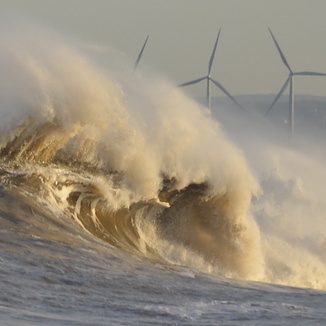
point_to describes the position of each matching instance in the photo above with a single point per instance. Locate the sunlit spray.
(136, 162)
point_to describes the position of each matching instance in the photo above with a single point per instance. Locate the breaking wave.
(131, 159)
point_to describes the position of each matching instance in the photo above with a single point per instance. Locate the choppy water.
(124, 202)
(54, 273)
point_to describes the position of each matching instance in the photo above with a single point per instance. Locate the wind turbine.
(140, 54)
(210, 79)
(290, 80)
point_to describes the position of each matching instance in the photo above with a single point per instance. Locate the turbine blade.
(279, 94)
(309, 73)
(192, 82)
(280, 52)
(140, 54)
(226, 92)
(213, 53)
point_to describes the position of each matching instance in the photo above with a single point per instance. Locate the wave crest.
(135, 162)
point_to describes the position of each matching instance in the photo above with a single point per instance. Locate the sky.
(182, 35)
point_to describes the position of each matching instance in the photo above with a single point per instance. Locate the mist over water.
(290, 209)
(137, 163)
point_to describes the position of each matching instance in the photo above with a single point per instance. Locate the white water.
(291, 210)
(66, 108)
(144, 127)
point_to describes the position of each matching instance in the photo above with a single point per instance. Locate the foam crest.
(133, 142)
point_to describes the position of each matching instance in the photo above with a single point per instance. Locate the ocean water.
(125, 202)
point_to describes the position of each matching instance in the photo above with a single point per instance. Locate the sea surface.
(125, 202)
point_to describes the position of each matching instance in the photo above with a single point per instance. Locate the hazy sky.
(182, 35)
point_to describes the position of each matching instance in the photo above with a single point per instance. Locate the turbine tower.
(290, 80)
(140, 54)
(210, 79)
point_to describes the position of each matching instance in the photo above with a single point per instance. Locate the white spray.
(144, 128)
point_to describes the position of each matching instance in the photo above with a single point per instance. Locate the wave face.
(131, 159)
